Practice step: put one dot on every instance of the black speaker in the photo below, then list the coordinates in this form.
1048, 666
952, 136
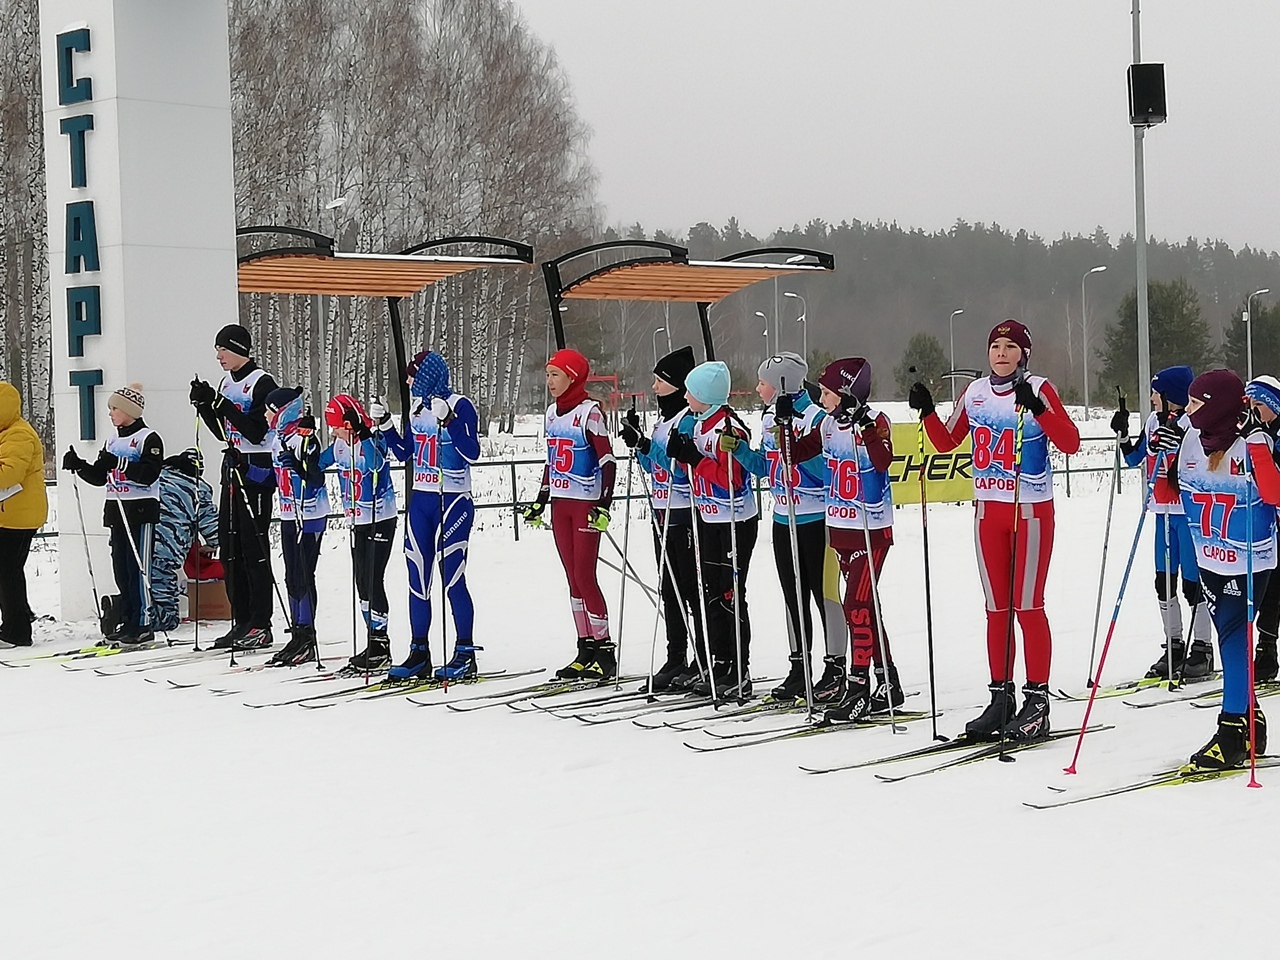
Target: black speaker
1146, 94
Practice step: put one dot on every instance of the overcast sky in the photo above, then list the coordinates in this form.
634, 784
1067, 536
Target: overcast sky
925, 111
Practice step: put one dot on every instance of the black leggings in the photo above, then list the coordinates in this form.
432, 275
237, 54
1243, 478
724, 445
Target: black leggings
301, 554
1268, 617
242, 539
714, 540
370, 550
679, 597
811, 541
15, 545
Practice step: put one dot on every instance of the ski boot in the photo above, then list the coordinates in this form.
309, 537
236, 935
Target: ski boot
1229, 747
987, 725
1259, 729
1199, 662
301, 648
255, 638
724, 675
1161, 667
418, 664
374, 658
228, 639
1265, 665
1032, 721
462, 666
134, 636
792, 686
733, 689
856, 704
830, 689
604, 665
888, 690
688, 677
664, 679
585, 657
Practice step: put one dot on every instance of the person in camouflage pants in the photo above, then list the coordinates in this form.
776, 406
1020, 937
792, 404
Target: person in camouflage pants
186, 508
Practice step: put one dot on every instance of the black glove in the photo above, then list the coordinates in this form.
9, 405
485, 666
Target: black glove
784, 408
1120, 423
919, 398
288, 461
631, 434
680, 447
1025, 395
73, 461
1253, 424
1168, 436
632, 419
356, 423
202, 394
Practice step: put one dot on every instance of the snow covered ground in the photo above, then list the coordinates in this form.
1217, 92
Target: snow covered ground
148, 821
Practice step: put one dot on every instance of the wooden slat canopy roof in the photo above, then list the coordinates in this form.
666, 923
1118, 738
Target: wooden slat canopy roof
354, 274
694, 281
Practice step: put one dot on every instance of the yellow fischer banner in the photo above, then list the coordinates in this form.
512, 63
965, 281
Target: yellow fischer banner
948, 476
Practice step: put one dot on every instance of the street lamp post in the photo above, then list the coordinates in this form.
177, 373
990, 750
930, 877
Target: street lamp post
1084, 333
1248, 326
760, 314
803, 320
951, 327
655, 343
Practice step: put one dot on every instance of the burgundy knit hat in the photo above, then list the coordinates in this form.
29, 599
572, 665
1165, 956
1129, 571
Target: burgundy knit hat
1015, 331
848, 378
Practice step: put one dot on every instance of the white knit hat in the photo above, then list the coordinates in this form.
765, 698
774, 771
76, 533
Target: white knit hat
128, 400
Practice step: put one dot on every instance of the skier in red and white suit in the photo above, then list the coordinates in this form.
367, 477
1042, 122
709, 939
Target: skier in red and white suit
579, 477
990, 411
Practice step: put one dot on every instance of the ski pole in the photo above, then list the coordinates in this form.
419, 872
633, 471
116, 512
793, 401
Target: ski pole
1115, 616
1170, 599
144, 572
928, 588
703, 578
622, 592
665, 569
733, 558
1248, 632
803, 643
195, 531
873, 579
1106, 540
1013, 578
84, 537
256, 522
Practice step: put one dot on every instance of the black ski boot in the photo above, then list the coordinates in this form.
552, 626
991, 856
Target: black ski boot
1161, 667
1265, 665
301, 648
735, 690
1259, 729
831, 688
723, 673
255, 638
792, 686
229, 638
856, 704
605, 664
1199, 662
888, 691
374, 658
664, 678
1001, 709
688, 677
1032, 721
418, 664
462, 666
1229, 747
585, 657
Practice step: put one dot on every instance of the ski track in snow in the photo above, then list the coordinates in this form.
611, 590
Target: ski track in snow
149, 821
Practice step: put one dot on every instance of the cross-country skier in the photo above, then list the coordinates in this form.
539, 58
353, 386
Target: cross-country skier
1011, 418
726, 526
579, 477
236, 412
1264, 403
370, 504
443, 441
187, 511
1154, 448
1227, 476
855, 443
304, 512
669, 491
129, 466
782, 380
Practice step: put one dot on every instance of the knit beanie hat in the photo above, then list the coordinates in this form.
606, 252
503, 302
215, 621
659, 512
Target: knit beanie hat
708, 383
1172, 383
675, 366
785, 371
284, 406
128, 400
235, 338
335, 411
572, 363
431, 379
848, 378
1264, 390
1015, 331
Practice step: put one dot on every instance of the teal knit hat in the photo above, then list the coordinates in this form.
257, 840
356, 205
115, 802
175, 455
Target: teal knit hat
709, 383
